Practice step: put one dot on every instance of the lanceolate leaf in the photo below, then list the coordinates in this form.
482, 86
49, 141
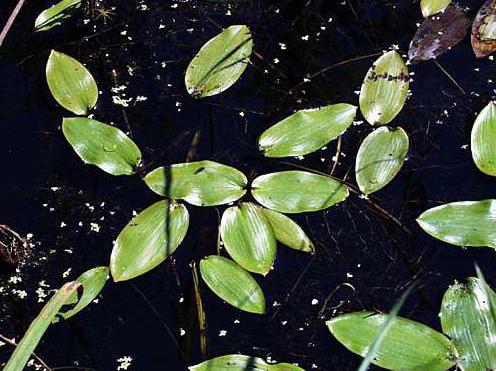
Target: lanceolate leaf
38, 327
239, 362
201, 183
233, 284
430, 7
220, 62
467, 319
384, 89
407, 345
297, 191
484, 30
306, 131
148, 239
466, 223
380, 158
438, 34
102, 145
93, 282
483, 140
56, 15
71, 83
249, 237
288, 232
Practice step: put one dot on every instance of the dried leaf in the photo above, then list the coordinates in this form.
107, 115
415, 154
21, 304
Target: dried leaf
484, 30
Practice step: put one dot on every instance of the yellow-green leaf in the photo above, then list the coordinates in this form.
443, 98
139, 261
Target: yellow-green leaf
483, 140
232, 284
70, 83
297, 191
56, 15
467, 319
248, 237
306, 130
288, 232
239, 362
380, 158
102, 145
201, 183
385, 89
407, 345
430, 7
220, 62
148, 239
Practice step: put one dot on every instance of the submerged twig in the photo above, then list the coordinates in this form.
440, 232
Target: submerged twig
10, 21
338, 153
452, 79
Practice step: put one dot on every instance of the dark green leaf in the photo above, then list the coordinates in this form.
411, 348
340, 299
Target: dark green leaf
148, 239
201, 183
102, 145
233, 284
56, 15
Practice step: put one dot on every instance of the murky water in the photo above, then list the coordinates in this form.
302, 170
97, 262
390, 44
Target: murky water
139, 56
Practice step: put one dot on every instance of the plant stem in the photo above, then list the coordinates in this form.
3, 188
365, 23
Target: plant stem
202, 319
10, 21
13, 343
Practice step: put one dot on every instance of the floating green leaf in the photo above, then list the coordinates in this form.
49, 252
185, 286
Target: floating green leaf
248, 237
306, 131
465, 223
102, 145
297, 191
467, 319
483, 140
148, 239
384, 89
239, 362
201, 183
71, 83
93, 282
288, 232
233, 284
56, 15
220, 62
380, 158
38, 327
407, 345
430, 7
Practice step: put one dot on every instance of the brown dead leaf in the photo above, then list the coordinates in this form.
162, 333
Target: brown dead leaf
484, 30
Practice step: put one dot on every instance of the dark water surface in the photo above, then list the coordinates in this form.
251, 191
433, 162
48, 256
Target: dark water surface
362, 257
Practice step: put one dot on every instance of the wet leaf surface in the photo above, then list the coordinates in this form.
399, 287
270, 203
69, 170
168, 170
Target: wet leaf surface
239, 362
57, 15
248, 237
484, 30
483, 139
232, 283
102, 145
408, 345
201, 183
380, 157
297, 191
464, 223
438, 34
148, 239
430, 7
467, 319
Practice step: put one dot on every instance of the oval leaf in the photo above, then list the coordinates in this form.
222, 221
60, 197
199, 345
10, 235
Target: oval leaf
201, 183
380, 158
484, 30
466, 223
430, 7
306, 131
239, 362
438, 34
248, 237
93, 282
467, 319
220, 62
148, 239
384, 89
483, 138
232, 284
71, 83
297, 191
288, 232
56, 15
102, 145
407, 345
